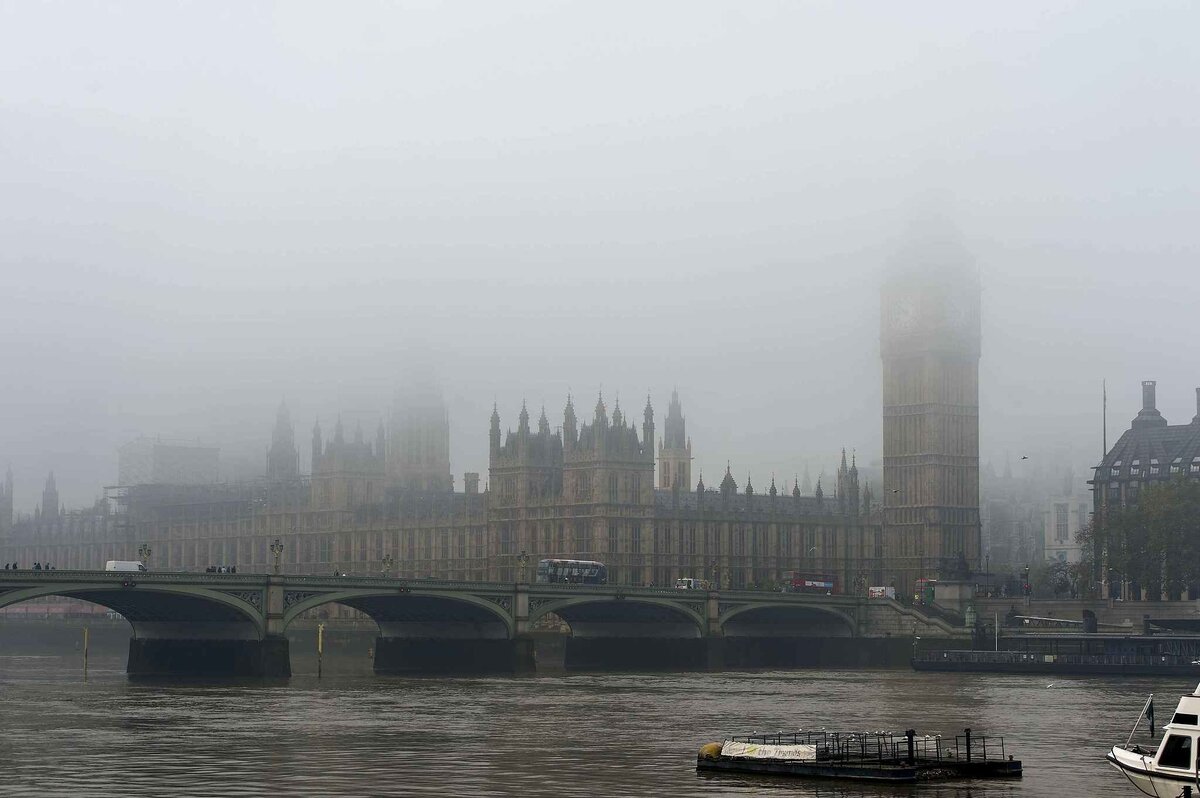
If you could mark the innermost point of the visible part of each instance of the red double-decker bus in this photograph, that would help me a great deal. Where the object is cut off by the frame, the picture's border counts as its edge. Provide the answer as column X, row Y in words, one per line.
column 811, row 582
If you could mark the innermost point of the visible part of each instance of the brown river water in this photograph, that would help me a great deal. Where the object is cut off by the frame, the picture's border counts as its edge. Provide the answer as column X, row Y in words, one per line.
column 354, row 734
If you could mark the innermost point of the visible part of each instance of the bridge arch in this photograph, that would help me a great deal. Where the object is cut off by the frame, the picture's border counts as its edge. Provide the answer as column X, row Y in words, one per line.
column 163, row 611
column 623, row 616
column 410, row 612
column 787, row 620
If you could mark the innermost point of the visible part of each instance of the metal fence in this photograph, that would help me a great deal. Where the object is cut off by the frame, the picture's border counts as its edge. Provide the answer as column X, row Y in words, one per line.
column 888, row 747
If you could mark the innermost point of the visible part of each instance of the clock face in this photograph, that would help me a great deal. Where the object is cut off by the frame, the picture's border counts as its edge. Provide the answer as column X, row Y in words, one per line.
column 903, row 315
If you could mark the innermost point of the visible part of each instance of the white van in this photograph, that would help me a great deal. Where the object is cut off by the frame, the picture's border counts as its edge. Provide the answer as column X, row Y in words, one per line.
column 124, row 565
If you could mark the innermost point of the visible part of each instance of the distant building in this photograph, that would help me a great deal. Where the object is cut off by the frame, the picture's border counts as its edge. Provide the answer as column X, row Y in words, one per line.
column 6, row 504
column 418, row 441
column 1150, row 451
column 675, row 449
column 283, row 459
column 930, row 345
column 50, row 505
column 1063, row 518
column 585, row 489
column 347, row 474
column 152, row 461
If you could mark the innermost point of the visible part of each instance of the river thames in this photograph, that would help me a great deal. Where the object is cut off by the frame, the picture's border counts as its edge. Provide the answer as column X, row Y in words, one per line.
column 354, row 734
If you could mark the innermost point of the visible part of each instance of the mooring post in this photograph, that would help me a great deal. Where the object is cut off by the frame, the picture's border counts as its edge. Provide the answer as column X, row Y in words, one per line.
column 910, row 734
column 968, row 733
column 320, row 646
column 85, row 652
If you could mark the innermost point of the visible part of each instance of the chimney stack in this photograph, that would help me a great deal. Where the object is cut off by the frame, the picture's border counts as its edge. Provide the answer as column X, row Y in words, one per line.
column 1148, row 396
column 1196, row 418
column 1148, row 416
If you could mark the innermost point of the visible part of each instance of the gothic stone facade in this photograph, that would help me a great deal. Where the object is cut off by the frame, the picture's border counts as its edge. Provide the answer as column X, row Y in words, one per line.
column 584, row 491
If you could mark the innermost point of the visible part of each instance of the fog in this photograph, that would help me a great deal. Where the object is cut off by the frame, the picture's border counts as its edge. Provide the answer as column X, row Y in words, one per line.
column 207, row 207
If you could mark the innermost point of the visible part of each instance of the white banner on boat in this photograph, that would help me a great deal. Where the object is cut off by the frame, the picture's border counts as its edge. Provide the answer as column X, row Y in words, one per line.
column 757, row 751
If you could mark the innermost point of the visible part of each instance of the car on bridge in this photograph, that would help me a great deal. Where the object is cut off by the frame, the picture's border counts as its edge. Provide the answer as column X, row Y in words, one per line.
column 124, row 565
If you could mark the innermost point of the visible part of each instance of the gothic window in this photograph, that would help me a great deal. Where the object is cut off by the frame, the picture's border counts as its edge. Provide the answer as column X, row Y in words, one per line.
column 635, row 488
column 1060, row 522
column 666, row 474
column 635, row 539
column 613, row 487
column 612, row 538
column 583, row 536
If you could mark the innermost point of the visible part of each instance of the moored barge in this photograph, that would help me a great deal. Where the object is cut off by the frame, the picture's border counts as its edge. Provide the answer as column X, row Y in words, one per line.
column 1075, row 664
column 862, row 756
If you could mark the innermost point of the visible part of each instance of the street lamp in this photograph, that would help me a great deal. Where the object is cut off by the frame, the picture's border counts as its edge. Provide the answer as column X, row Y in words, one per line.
column 144, row 553
column 523, row 559
column 388, row 562
column 276, row 552
column 714, row 572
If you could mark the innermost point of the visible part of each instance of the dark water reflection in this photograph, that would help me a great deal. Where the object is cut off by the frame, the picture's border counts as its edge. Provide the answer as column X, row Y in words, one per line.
column 562, row 736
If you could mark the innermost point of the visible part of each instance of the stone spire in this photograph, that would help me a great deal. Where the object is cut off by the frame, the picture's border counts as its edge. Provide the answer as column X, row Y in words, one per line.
column 317, row 445
column 50, row 505
column 728, row 484
column 494, row 432
column 283, row 460
column 570, row 423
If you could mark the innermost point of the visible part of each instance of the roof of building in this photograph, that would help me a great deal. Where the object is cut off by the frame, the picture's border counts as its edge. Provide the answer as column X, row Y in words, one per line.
column 691, row 501
column 1151, row 448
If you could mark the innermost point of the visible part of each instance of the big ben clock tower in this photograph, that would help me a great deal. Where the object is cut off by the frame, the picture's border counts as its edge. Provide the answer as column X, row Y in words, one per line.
column 929, row 340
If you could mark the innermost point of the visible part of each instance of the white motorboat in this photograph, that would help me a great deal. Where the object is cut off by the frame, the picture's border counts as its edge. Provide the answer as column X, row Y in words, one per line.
column 1164, row 772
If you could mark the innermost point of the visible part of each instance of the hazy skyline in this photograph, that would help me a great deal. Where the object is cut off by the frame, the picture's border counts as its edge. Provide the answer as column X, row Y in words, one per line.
column 208, row 207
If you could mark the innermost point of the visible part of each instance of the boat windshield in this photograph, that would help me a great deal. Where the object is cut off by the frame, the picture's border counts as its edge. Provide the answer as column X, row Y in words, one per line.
column 1176, row 752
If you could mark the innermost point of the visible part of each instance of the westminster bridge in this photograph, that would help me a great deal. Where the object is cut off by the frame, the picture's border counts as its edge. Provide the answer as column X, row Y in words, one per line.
column 235, row 624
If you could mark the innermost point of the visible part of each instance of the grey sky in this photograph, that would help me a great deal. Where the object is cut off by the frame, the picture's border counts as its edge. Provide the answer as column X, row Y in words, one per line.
column 206, row 206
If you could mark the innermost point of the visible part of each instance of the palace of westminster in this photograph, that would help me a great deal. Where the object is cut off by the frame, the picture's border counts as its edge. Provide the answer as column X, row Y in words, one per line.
column 595, row 487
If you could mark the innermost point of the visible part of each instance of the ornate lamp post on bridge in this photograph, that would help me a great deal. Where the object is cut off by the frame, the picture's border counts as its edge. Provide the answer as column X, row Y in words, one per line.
column 144, row 553
column 388, row 562
column 522, row 560
column 276, row 552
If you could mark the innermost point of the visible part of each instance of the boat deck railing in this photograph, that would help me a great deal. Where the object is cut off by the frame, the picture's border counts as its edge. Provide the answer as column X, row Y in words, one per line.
column 888, row 747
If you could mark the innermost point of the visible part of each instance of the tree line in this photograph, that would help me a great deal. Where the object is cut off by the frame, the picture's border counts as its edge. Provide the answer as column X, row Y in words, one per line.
column 1153, row 543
